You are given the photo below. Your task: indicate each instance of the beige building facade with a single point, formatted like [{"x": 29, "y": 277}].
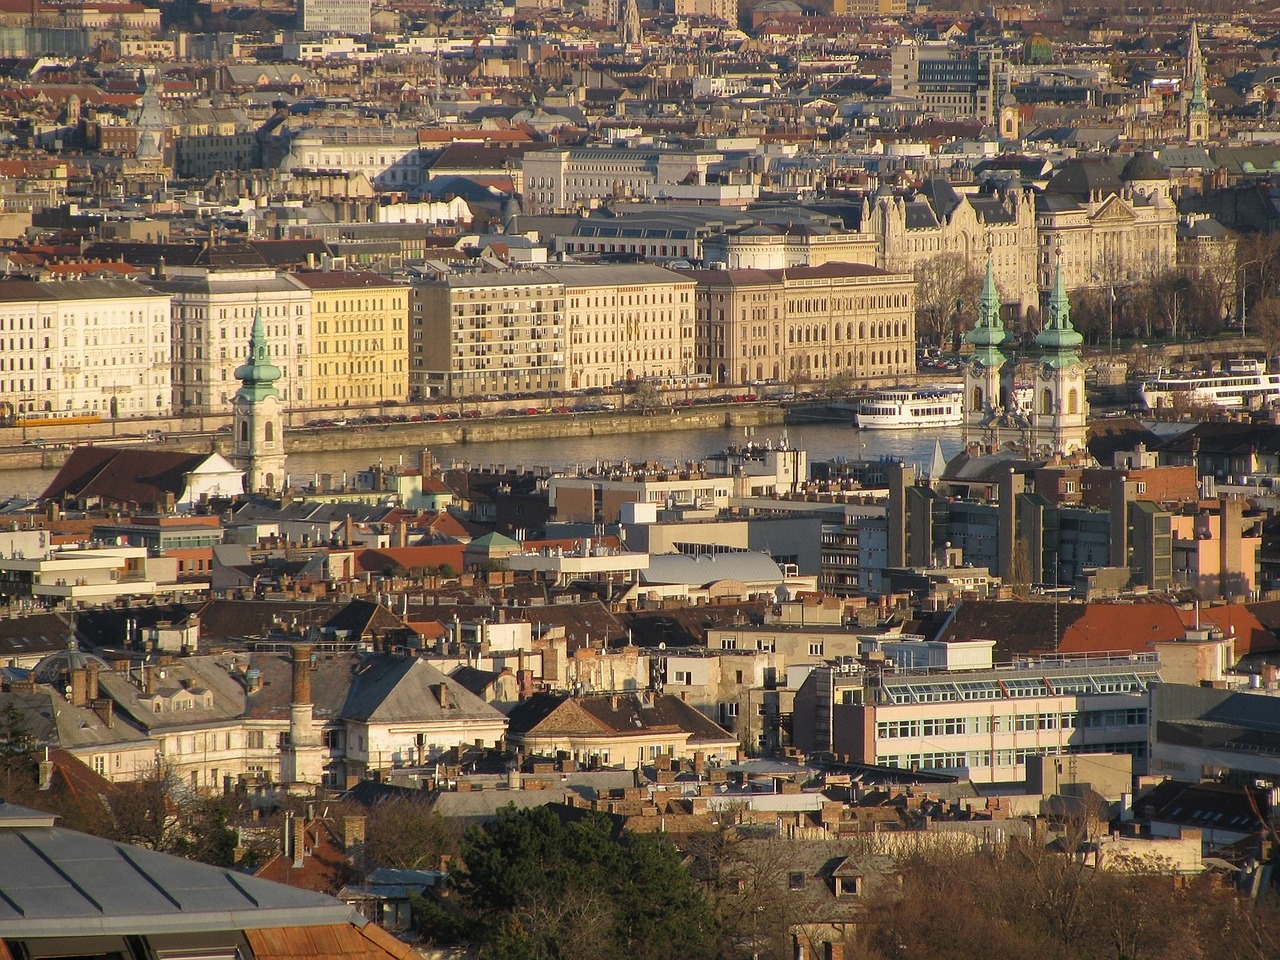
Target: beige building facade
[{"x": 804, "y": 323}]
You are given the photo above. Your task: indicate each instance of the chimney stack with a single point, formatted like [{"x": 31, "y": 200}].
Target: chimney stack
[
  {"x": 301, "y": 673},
  {"x": 299, "y": 839},
  {"x": 79, "y": 687},
  {"x": 353, "y": 828},
  {"x": 91, "y": 691}
]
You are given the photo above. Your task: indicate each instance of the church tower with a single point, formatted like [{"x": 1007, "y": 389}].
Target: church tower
[
  {"x": 1061, "y": 414},
  {"x": 988, "y": 377},
  {"x": 257, "y": 422},
  {"x": 1197, "y": 106},
  {"x": 629, "y": 22}
]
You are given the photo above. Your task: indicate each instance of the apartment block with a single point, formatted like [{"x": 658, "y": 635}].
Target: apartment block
[
  {"x": 487, "y": 333},
  {"x": 625, "y": 323},
  {"x": 359, "y": 338},
  {"x": 84, "y": 347},
  {"x": 804, "y": 323},
  {"x": 212, "y": 313}
]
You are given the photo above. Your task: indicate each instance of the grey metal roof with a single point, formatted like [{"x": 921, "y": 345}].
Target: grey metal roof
[
  {"x": 58, "y": 881},
  {"x": 388, "y": 689},
  {"x": 747, "y": 566}
]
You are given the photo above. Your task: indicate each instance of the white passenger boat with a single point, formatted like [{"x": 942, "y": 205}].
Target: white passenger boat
[
  {"x": 912, "y": 409},
  {"x": 1244, "y": 384}
]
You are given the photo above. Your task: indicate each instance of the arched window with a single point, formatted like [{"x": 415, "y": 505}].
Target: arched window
[
  {"x": 977, "y": 400},
  {"x": 244, "y": 431},
  {"x": 1073, "y": 401},
  {"x": 1046, "y": 402},
  {"x": 271, "y": 432}
]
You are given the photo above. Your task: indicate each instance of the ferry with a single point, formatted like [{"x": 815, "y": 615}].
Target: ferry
[
  {"x": 911, "y": 409},
  {"x": 1244, "y": 384}
]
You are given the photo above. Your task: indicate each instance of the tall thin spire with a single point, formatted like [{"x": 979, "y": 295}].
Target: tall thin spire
[
  {"x": 1059, "y": 339},
  {"x": 988, "y": 334},
  {"x": 1195, "y": 70}
]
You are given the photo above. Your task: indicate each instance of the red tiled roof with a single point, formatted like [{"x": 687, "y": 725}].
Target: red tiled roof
[
  {"x": 137, "y": 476},
  {"x": 409, "y": 558}
]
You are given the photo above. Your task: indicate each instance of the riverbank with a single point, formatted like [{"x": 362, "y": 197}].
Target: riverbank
[{"x": 55, "y": 450}]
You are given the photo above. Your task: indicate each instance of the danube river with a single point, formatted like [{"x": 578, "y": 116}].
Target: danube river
[{"x": 824, "y": 441}]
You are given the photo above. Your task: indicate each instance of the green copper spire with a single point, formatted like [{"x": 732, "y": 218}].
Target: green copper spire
[
  {"x": 988, "y": 334},
  {"x": 258, "y": 373},
  {"x": 1059, "y": 339}
]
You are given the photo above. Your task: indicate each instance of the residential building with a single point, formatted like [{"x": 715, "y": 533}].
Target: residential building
[
  {"x": 804, "y": 323},
  {"x": 626, "y": 323},
  {"x": 86, "y": 577},
  {"x": 359, "y": 338},
  {"x": 484, "y": 333},
  {"x": 84, "y": 348},
  {"x": 620, "y": 729},
  {"x": 213, "y": 311}
]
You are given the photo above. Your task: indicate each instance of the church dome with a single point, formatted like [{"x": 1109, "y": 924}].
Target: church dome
[
  {"x": 1038, "y": 49},
  {"x": 1143, "y": 166}
]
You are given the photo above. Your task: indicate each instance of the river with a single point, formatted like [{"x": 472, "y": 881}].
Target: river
[{"x": 823, "y": 441}]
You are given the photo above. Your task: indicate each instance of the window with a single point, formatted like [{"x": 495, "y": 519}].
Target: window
[
  {"x": 257, "y": 740},
  {"x": 815, "y": 649},
  {"x": 100, "y": 765},
  {"x": 795, "y": 880}
]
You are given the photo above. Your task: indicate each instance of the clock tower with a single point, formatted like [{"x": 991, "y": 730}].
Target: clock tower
[{"x": 1060, "y": 417}]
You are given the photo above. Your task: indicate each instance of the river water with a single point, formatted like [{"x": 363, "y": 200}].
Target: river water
[{"x": 823, "y": 441}]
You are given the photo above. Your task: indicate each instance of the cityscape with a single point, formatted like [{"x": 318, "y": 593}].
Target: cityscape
[{"x": 639, "y": 480}]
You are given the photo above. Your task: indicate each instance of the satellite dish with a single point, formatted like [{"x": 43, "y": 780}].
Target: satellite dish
[{"x": 662, "y": 646}]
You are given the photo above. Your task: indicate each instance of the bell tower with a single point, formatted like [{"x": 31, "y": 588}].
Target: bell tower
[
  {"x": 257, "y": 422},
  {"x": 1061, "y": 412},
  {"x": 1197, "y": 106},
  {"x": 988, "y": 378}
]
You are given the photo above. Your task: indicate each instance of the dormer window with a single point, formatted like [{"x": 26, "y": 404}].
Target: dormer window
[
  {"x": 795, "y": 881},
  {"x": 848, "y": 886}
]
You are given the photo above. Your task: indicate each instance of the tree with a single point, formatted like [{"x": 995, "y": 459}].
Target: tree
[
  {"x": 1265, "y": 324},
  {"x": 537, "y": 887},
  {"x": 947, "y": 289},
  {"x": 159, "y": 812},
  {"x": 16, "y": 744},
  {"x": 647, "y": 398},
  {"x": 407, "y": 835}
]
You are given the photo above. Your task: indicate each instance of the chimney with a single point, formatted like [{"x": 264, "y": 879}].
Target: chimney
[
  {"x": 402, "y": 536},
  {"x": 348, "y": 531},
  {"x": 353, "y": 840},
  {"x": 441, "y": 691},
  {"x": 79, "y": 687},
  {"x": 301, "y": 673},
  {"x": 299, "y": 839},
  {"x": 91, "y": 691},
  {"x": 148, "y": 679},
  {"x": 104, "y": 707}
]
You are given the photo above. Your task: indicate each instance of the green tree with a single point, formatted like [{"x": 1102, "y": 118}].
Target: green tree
[
  {"x": 16, "y": 744},
  {"x": 539, "y": 888}
]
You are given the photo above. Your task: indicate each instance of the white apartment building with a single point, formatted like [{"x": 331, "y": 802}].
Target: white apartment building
[
  {"x": 211, "y": 317},
  {"x": 564, "y": 181},
  {"x": 983, "y": 722},
  {"x": 390, "y": 158},
  {"x": 84, "y": 347}
]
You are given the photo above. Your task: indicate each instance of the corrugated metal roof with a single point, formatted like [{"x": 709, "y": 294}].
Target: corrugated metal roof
[{"x": 749, "y": 567}]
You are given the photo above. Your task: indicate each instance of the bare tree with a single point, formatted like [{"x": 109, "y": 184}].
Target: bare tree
[{"x": 947, "y": 289}]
